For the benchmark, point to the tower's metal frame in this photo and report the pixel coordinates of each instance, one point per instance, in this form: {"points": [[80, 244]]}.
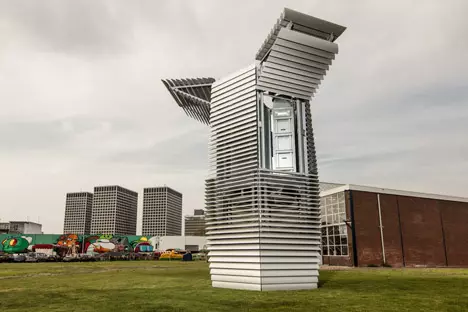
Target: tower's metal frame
{"points": [[262, 193]]}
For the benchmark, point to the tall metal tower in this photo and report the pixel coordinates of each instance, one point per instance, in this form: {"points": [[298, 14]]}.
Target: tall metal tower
{"points": [[262, 192]]}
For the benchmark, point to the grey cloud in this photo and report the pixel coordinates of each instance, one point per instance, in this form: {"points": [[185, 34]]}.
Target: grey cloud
{"points": [[51, 135], [179, 154], [78, 27], [361, 158], [417, 155], [391, 112]]}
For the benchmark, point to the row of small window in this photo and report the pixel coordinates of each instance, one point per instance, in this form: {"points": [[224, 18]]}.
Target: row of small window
{"points": [[335, 208], [333, 219], [153, 207], [334, 240], [154, 215], [76, 203], [79, 195], [334, 230], [337, 250], [111, 213], [154, 225], [332, 199]]}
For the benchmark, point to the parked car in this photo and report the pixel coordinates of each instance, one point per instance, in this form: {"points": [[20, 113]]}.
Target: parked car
{"points": [[103, 257], [31, 258], [70, 259], [53, 258], [86, 258], [36, 257], [19, 258], [5, 258]]}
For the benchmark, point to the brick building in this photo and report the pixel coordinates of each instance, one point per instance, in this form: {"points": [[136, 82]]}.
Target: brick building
{"points": [[364, 226]]}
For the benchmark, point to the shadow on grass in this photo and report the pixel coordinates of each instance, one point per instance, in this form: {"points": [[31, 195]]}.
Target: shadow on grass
{"points": [[325, 277]]}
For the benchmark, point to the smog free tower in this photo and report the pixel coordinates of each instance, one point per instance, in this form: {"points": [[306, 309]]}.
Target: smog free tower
{"points": [[262, 192]]}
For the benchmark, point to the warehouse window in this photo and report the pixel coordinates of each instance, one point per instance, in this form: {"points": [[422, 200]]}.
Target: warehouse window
{"points": [[334, 231]]}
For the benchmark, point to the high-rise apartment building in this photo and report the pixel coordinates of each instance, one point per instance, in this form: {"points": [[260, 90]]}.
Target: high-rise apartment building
{"points": [[195, 225], [78, 208], [114, 210], [162, 212]]}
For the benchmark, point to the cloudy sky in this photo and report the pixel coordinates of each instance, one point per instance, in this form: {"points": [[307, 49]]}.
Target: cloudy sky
{"points": [[82, 103]]}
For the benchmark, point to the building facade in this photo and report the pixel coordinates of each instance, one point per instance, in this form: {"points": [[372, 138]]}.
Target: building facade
{"points": [[364, 226], [4, 227], [195, 225], [262, 193], [190, 243], [24, 227], [162, 212], [78, 210], [114, 210]]}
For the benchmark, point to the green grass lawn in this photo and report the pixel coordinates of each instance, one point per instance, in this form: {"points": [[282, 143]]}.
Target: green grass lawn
{"points": [[177, 286]]}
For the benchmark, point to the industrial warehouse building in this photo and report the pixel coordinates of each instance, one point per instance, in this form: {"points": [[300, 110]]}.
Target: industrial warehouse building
{"points": [[364, 226]]}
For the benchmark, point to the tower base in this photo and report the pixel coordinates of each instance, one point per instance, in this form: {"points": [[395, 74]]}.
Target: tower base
{"points": [[265, 287]]}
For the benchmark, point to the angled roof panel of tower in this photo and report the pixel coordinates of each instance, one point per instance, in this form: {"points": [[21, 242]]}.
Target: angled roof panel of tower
{"points": [[296, 55], [193, 95], [301, 23]]}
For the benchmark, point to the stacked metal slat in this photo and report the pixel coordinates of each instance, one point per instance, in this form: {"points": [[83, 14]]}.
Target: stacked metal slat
{"points": [[303, 23], [264, 231], [289, 230], [263, 226], [193, 95], [295, 64], [233, 121], [231, 191]]}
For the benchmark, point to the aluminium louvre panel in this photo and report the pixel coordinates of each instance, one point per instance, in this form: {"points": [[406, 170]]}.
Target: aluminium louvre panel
{"points": [[279, 259], [192, 95], [225, 135], [234, 107], [302, 23], [241, 213], [298, 66]]}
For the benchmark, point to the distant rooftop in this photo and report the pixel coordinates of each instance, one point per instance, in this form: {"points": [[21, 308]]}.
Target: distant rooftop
{"points": [[328, 190], [324, 186], [28, 222]]}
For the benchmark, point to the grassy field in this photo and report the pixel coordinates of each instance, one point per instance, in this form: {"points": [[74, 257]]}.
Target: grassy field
{"points": [[175, 286]]}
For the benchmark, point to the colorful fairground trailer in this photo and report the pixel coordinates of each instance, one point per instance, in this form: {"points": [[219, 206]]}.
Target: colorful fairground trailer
{"points": [[172, 254]]}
